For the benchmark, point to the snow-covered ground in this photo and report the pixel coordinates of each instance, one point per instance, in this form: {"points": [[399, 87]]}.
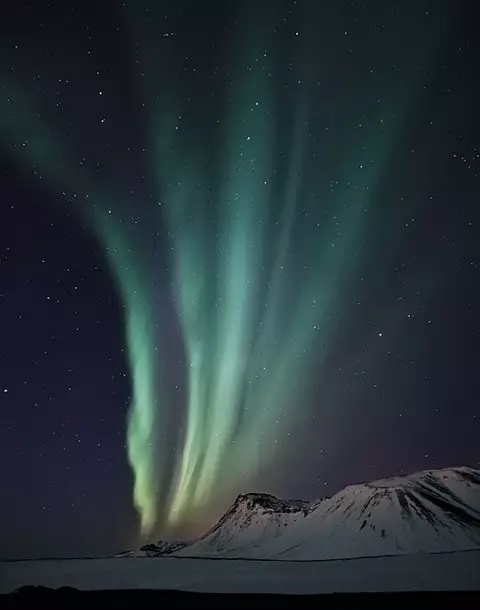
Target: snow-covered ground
{"points": [[457, 571]]}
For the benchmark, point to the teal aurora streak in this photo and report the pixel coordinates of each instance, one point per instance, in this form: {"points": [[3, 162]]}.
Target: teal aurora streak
{"points": [[250, 314]]}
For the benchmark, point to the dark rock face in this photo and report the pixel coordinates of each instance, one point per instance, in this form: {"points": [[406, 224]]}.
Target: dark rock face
{"points": [[269, 503]]}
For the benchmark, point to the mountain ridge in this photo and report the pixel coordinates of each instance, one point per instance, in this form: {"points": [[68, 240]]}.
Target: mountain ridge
{"points": [[426, 511]]}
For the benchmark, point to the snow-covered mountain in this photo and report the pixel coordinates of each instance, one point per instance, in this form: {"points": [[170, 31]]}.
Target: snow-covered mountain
{"points": [[429, 511], [252, 521]]}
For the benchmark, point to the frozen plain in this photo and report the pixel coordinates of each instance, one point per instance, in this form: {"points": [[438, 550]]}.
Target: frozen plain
{"points": [[454, 571]]}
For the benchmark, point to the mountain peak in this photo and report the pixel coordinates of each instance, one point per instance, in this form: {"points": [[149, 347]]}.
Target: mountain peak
{"points": [[268, 502]]}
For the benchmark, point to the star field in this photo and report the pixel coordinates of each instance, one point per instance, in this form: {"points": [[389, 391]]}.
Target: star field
{"points": [[239, 251]]}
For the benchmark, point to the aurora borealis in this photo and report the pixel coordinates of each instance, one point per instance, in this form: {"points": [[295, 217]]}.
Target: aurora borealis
{"points": [[259, 181]]}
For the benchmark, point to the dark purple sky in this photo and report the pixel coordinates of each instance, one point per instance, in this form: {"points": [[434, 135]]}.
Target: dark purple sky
{"points": [[408, 403]]}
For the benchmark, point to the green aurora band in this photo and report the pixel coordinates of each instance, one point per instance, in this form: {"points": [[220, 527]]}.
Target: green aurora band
{"points": [[249, 313]]}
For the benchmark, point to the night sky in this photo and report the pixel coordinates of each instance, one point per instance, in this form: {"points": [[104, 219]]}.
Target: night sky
{"points": [[239, 251]]}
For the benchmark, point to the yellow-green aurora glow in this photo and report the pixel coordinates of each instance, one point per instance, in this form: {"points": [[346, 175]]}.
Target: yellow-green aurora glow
{"points": [[231, 197]]}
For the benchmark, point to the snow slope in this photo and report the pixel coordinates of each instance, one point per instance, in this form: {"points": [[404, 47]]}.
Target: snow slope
{"points": [[429, 511]]}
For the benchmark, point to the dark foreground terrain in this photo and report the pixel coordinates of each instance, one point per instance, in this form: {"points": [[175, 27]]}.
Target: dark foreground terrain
{"points": [[42, 597]]}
